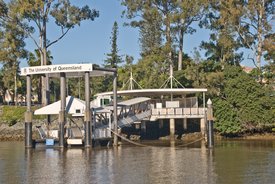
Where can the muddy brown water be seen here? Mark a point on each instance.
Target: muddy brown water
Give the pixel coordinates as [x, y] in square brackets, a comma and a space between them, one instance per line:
[234, 161]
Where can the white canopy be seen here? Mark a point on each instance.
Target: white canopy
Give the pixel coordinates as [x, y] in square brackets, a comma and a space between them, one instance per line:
[74, 106]
[155, 92]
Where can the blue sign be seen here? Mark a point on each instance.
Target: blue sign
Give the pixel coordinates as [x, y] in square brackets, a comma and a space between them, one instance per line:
[49, 142]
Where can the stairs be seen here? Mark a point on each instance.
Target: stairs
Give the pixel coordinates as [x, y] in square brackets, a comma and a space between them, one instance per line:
[128, 121]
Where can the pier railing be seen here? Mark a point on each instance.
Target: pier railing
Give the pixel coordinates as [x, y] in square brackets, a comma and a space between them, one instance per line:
[162, 113]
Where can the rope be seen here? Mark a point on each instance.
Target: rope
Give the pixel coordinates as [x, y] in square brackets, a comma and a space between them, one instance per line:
[184, 145]
[128, 140]
[144, 145]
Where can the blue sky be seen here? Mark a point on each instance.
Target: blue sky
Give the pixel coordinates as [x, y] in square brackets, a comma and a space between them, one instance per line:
[91, 41]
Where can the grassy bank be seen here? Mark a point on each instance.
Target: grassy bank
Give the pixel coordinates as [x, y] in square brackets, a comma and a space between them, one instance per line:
[12, 114]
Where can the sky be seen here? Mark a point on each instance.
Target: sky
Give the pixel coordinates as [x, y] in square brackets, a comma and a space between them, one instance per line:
[90, 42]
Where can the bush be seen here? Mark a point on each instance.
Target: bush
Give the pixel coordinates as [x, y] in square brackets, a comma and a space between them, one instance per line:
[244, 106]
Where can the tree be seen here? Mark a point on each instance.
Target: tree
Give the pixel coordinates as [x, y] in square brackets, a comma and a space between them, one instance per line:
[243, 106]
[187, 12]
[251, 21]
[151, 70]
[150, 33]
[113, 59]
[269, 47]
[223, 46]
[2, 88]
[34, 16]
[34, 59]
[145, 9]
[11, 51]
[269, 74]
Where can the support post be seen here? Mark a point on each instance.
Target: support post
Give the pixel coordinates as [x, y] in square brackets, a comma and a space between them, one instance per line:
[115, 108]
[202, 126]
[185, 126]
[62, 112]
[172, 129]
[28, 116]
[48, 97]
[210, 131]
[87, 112]
[160, 123]
[143, 128]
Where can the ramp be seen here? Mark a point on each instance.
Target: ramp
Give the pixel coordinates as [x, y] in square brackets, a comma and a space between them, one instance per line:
[41, 132]
[128, 121]
[76, 132]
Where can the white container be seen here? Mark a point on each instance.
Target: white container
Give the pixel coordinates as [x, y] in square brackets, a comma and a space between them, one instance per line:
[172, 104]
[158, 105]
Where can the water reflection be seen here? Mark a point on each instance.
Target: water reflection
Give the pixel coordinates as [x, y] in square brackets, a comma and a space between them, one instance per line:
[245, 162]
[228, 162]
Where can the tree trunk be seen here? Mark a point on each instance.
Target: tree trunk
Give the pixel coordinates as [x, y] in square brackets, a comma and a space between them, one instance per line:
[260, 41]
[15, 89]
[180, 50]
[45, 80]
[42, 80]
[168, 35]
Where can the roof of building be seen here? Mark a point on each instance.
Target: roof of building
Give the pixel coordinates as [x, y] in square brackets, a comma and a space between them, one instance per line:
[133, 101]
[72, 105]
[155, 92]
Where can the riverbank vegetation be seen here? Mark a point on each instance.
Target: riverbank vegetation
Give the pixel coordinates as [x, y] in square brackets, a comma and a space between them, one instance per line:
[244, 101]
[11, 115]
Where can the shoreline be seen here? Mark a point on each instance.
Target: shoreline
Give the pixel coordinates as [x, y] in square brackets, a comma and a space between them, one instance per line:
[17, 133]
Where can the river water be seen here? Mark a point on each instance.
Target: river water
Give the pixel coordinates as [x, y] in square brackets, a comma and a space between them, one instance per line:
[232, 162]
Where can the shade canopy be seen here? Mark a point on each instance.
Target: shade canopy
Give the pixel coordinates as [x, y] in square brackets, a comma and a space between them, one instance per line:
[155, 92]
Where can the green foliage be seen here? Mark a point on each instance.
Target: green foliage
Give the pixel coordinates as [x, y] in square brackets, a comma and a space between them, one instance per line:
[113, 59]
[30, 19]
[151, 71]
[13, 114]
[269, 74]
[226, 121]
[248, 23]
[243, 105]
[34, 59]
[269, 46]
[150, 32]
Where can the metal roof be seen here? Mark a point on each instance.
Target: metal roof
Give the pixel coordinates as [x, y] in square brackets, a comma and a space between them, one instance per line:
[134, 101]
[156, 92]
[127, 103]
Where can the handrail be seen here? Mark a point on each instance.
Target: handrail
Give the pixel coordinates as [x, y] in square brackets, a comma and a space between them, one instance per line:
[178, 111]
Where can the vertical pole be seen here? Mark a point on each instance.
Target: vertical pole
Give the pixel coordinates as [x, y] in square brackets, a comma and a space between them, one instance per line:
[203, 97]
[210, 132]
[110, 124]
[202, 126]
[62, 109]
[28, 116]
[15, 89]
[171, 75]
[131, 80]
[87, 112]
[48, 100]
[205, 116]
[115, 108]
